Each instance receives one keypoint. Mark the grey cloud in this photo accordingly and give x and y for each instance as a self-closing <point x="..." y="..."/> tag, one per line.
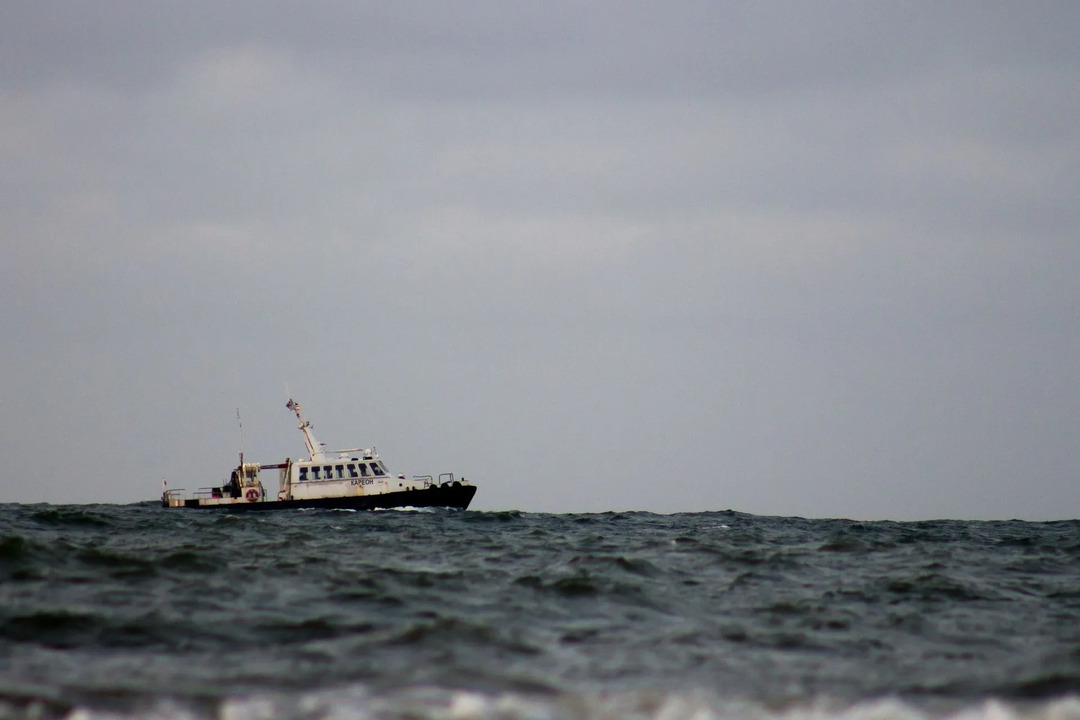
<point x="463" y="49"/>
<point x="813" y="259"/>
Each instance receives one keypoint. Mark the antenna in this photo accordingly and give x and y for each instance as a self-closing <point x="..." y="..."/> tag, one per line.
<point x="241" y="424"/>
<point x="236" y="379"/>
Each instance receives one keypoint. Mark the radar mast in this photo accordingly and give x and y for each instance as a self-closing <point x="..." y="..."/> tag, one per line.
<point x="316" y="449"/>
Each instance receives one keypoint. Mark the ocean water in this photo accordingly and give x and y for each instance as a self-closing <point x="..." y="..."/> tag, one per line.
<point x="140" y="612"/>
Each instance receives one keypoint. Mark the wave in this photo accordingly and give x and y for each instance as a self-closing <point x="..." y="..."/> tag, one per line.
<point x="132" y="611"/>
<point x="423" y="703"/>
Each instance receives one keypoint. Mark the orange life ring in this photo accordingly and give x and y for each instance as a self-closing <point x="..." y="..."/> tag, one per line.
<point x="252" y="495"/>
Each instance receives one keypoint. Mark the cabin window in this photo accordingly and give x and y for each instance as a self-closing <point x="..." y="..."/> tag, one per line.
<point x="340" y="471"/>
<point x="328" y="472"/>
<point x="377" y="470"/>
<point x="363" y="469"/>
<point x="315" y="472"/>
<point x="303" y="474"/>
<point x="352" y="470"/>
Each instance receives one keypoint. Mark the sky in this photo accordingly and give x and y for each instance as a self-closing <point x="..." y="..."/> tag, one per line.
<point x="815" y="259"/>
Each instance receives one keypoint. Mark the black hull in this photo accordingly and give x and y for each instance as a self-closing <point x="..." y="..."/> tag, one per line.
<point x="456" y="497"/>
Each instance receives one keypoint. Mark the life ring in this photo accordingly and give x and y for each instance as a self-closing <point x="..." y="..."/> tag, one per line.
<point x="252" y="495"/>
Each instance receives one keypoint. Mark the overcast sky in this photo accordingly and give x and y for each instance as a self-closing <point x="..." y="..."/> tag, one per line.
<point x="801" y="258"/>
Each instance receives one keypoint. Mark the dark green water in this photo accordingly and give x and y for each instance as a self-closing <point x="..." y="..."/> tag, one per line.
<point x="136" y="611"/>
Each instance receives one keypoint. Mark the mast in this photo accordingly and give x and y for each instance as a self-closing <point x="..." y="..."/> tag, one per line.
<point x="241" y="424"/>
<point x="314" y="447"/>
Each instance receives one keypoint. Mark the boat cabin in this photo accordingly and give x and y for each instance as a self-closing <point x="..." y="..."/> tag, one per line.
<point x="308" y="471"/>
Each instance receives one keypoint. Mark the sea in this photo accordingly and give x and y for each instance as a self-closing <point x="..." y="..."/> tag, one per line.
<point x="135" y="611"/>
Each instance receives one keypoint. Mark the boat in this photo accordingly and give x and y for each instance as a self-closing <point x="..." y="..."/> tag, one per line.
<point x="354" y="479"/>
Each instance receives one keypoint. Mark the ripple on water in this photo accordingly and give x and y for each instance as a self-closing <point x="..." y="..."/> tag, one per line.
<point x="499" y="614"/>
